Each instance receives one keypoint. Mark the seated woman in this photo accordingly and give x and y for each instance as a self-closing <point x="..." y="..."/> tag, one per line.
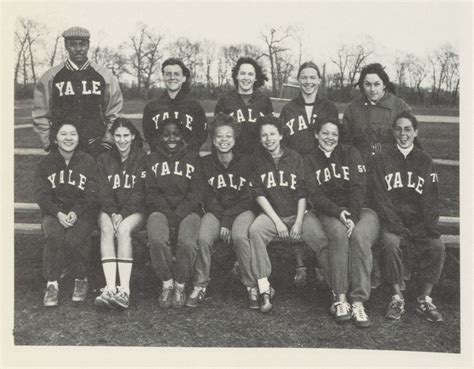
<point x="336" y="181"/>
<point x="65" y="190"/>
<point x="173" y="200"/>
<point x="278" y="186"/>
<point x="122" y="196"/>
<point x="406" y="197"/>
<point x="227" y="202"/>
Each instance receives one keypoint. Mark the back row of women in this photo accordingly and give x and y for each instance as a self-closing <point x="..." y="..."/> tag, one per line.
<point x="300" y="177"/>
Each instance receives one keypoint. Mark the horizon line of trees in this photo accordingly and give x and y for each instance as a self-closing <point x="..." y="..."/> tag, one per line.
<point x="432" y="79"/>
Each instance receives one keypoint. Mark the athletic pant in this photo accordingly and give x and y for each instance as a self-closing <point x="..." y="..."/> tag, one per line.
<point x="161" y="252"/>
<point x="71" y="245"/>
<point x="263" y="231"/>
<point x="350" y="259"/>
<point x="209" y="233"/>
<point x="425" y="255"/>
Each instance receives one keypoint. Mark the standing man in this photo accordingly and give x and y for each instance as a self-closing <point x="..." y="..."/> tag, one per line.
<point x="80" y="90"/>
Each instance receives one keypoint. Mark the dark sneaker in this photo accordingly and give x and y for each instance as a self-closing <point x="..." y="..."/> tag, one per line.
<point x="51" y="296"/>
<point x="396" y="308"/>
<point x="266" y="300"/>
<point x="300" y="277"/>
<point x="179" y="297"/>
<point x="252" y="294"/>
<point x="120" y="299"/>
<point x="165" y="297"/>
<point x="359" y="316"/>
<point x="105" y="298"/>
<point x="332" y="308"/>
<point x="81" y="288"/>
<point x="343" y="311"/>
<point x="196" y="297"/>
<point x="427" y="309"/>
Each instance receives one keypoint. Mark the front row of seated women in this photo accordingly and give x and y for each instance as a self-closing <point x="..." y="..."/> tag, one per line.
<point x="188" y="203"/>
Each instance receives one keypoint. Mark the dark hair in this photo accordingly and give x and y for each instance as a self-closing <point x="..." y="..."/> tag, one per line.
<point x="221" y="120"/>
<point x="375" y="68"/>
<point x="272" y="120"/>
<point x="168" y="121"/>
<point x="406" y="115"/>
<point x="186" y="72"/>
<point x="55" y="127"/>
<point x="259" y="75"/>
<point x="308" y="64"/>
<point x="319" y="125"/>
<point x="122" y="122"/>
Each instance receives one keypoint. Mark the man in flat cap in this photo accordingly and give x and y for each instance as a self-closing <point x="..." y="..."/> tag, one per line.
<point x="80" y="90"/>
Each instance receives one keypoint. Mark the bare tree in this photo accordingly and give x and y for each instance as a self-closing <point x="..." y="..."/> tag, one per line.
<point x="417" y="72"/>
<point x="27" y="34"/>
<point x="113" y="59"/>
<point x="275" y="40"/>
<point x="146" y="55"/>
<point x="441" y="61"/>
<point x="189" y="52"/>
<point x="208" y="57"/>
<point x="341" y="61"/>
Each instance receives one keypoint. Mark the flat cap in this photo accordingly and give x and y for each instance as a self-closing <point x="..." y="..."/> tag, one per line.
<point x="76" y="32"/>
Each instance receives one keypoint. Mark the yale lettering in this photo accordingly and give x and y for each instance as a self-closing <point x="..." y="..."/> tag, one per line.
<point x="117" y="179"/>
<point x="227" y="180"/>
<point x="67" y="178"/>
<point x="331" y="172"/>
<point x="65" y="88"/>
<point x="394" y="180"/>
<point x="240" y="116"/>
<point x="301" y="124"/>
<point x="187" y="121"/>
<point x="269" y="181"/>
<point x="177" y="169"/>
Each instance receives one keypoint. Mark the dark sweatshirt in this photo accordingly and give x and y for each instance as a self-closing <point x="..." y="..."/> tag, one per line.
<point x="282" y="184"/>
<point x="187" y="110"/>
<point x="227" y="193"/>
<point x="246" y="115"/>
<point x="300" y="135"/>
<point x="406" y="192"/>
<point x="64" y="188"/>
<point x="122" y="184"/>
<point x="173" y="184"/>
<point x="336" y="182"/>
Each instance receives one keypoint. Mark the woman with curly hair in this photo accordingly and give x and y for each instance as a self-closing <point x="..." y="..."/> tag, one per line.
<point x="246" y="103"/>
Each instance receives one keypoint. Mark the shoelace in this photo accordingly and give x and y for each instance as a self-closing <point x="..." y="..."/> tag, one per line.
<point x="428" y="305"/>
<point x="359" y="312"/>
<point x="342" y="308"/>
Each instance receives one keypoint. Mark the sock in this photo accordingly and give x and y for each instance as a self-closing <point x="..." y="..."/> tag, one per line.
<point x="357" y="303"/>
<point x="168" y="284"/>
<point x="179" y="285"/>
<point x="54" y="283"/>
<point x="109" y="266"/>
<point x="125" y="270"/>
<point x="263" y="285"/>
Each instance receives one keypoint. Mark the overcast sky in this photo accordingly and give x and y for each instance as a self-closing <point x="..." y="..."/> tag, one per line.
<point x="412" y="27"/>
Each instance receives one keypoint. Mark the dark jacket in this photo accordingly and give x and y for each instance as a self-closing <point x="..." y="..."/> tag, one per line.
<point x="246" y="115"/>
<point x="173" y="184"/>
<point x="187" y="110"/>
<point x="300" y="135"/>
<point x="366" y="124"/>
<point x="227" y="193"/>
<point x="336" y="182"/>
<point x="406" y="192"/>
<point x="90" y="95"/>
<point x="282" y="184"/>
<point x="122" y="184"/>
<point x="64" y="188"/>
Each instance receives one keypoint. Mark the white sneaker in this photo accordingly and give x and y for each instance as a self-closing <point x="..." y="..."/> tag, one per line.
<point x="343" y="311"/>
<point x="359" y="316"/>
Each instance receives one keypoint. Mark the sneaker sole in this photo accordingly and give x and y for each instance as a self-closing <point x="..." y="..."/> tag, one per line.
<point x="391" y="317"/>
<point x="78" y="299"/>
<point x="116" y="304"/>
<point x="103" y="304"/>
<point x="49" y="304"/>
<point x="341" y="320"/>
<point x="361" y="324"/>
<point x="427" y="318"/>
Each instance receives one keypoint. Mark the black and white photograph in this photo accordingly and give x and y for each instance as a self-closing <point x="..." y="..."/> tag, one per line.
<point x="237" y="184"/>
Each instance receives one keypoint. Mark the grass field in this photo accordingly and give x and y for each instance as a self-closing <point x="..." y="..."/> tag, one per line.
<point x="299" y="318"/>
